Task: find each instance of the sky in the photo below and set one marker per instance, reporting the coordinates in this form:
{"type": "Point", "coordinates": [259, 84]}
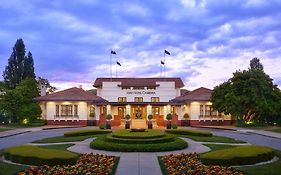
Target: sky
{"type": "Point", "coordinates": [208, 39]}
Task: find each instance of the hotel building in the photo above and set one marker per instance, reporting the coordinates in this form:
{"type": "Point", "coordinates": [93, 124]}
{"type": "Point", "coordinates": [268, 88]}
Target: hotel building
{"type": "Point", "coordinates": [137, 97]}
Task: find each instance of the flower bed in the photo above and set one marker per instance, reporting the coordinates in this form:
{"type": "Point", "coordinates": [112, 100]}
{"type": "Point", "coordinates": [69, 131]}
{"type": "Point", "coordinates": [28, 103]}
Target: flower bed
{"type": "Point", "coordinates": [243, 155]}
{"type": "Point", "coordinates": [33, 155]}
{"type": "Point", "coordinates": [86, 164]}
{"type": "Point", "coordinates": [189, 132]}
{"type": "Point", "coordinates": [86, 132]}
{"type": "Point", "coordinates": [191, 164]}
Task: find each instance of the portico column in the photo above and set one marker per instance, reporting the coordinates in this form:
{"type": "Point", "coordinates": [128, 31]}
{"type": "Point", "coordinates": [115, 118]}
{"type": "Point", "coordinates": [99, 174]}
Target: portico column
{"type": "Point", "coordinates": [97, 112]}
{"type": "Point", "coordinates": [108, 109]}
{"type": "Point", "coordinates": [165, 112]}
{"type": "Point", "coordinates": [149, 109]}
{"type": "Point", "coordinates": [128, 110]}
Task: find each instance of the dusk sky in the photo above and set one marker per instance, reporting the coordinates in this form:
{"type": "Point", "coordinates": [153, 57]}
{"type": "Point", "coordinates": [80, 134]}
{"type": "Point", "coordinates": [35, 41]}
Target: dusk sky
{"type": "Point", "coordinates": [208, 39]}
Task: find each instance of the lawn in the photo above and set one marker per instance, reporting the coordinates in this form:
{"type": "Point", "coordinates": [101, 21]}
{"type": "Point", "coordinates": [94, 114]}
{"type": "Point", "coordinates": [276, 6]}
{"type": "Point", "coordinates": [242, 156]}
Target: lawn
{"type": "Point", "coordinates": [63, 139]}
{"type": "Point", "coordinates": [57, 147]}
{"type": "Point", "coordinates": [215, 147]}
{"type": "Point", "coordinates": [4, 129]}
{"type": "Point", "coordinates": [218, 139]}
{"type": "Point", "coordinates": [276, 130]}
{"type": "Point", "coordinates": [8, 169]}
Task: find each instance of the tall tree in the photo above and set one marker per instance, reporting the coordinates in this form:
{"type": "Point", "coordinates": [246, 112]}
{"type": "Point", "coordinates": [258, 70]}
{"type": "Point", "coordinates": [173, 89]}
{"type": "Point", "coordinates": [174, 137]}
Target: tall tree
{"type": "Point", "coordinates": [256, 64]}
{"type": "Point", "coordinates": [45, 82]}
{"type": "Point", "coordinates": [28, 70]}
{"type": "Point", "coordinates": [19, 66]}
{"type": "Point", "coordinates": [249, 94]}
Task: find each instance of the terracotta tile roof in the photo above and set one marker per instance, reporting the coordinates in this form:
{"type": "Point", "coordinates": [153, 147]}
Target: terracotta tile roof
{"type": "Point", "coordinates": [200, 94]}
{"type": "Point", "coordinates": [72, 94]}
{"type": "Point", "coordinates": [139, 82]}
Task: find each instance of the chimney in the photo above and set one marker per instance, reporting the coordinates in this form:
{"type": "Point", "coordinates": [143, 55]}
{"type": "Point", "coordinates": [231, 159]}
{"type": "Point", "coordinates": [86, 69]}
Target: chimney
{"type": "Point", "coordinates": [43, 89]}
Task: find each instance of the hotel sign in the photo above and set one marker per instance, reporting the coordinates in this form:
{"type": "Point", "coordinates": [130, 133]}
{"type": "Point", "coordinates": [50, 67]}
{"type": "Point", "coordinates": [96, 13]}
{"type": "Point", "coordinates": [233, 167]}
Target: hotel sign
{"type": "Point", "coordinates": [141, 92]}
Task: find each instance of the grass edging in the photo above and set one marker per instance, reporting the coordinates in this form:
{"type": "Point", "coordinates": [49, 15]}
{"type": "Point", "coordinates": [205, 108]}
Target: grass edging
{"type": "Point", "coordinates": [86, 132]}
{"type": "Point", "coordinates": [162, 166]}
{"type": "Point", "coordinates": [189, 132]}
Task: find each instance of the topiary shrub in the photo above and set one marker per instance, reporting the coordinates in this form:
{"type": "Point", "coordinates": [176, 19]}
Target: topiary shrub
{"type": "Point", "coordinates": [108, 117]}
{"type": "Point", "coordinates": [149, 117]}
{"type": "Point", "coordinates": [244, 155]}
{"type": "Point", "coordinates": [102, 126]}
{"type": "Point", "coordinates": [86, 132]}
{"type": "Point", "coordinates": [174, 126]}
{"type": "Point", "coordinates": [189, 132]}
{"type": "Point", "coordinates": [186, 116]}
{"type": "Point", "coordinates": [127, 117]}
{"type": "Point", "coordinates": [33, 155]}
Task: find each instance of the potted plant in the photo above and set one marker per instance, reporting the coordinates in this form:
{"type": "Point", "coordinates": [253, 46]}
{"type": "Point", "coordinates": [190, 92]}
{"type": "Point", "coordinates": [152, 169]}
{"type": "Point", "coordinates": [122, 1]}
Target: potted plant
{"type": "Point", "coordinates": [186, 117]}
{"type": "Point", "coordinates": [108, 118]}
{"type": "Point", "coordinates": [127, 125]}
{"type": "Point", "coordinates": [149, 121]}
{"type": "Point", "coordinates": [169, 118]}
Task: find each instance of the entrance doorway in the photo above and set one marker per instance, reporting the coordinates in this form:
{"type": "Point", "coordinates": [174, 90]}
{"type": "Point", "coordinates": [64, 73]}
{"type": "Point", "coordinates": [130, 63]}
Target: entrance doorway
{"type": "Point", "coordinates": [122, 112]}
{"type": "Point", "coordinates": [138, 112]}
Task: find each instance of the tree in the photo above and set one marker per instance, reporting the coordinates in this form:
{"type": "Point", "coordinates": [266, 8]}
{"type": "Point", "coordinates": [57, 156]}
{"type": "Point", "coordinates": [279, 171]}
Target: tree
{"type": "Point", "coordinates": [249, 94]}
{"type": "Point", "coordinates": [19, 66]}
{"type": "Point", "coordinates": [255, 64]}
{"type": "Point", "coordinates": [18, 103]}
{"type": "Point", "coordinates": [45, 82]}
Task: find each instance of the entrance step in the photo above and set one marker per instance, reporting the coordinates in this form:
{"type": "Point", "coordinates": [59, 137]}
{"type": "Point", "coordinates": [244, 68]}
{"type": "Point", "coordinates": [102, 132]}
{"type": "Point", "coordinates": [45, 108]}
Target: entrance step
{"type": "Point", "coordinates": [139, 123]}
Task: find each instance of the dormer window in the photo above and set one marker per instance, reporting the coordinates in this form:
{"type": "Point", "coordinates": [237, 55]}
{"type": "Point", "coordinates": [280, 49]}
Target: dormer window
{"type": "Point", "coordinates": [138, 88]}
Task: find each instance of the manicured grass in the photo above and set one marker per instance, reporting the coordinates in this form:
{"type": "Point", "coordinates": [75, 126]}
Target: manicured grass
{"type": "Point", "coordinates": [218, 139]}
{"type": "Point", "coordinates": [243, 155]}
{"type": "Point", "coordinates": [86, 132]}
{"type": "Point", "coordinates": [126, 133]}
{"type": "Point", "coordinates": [34, 155]}
{"type": "Point", "coordinates": [9, 169]}
{"type": "Point", "coordinates": [215, 147]}
{"type": "Point", "coordinates": [189, 132]}
{"type": "Point", "coordinates": [63, 139]}
{"type": "Point", "coordinates": [137, 140]}
{"type": "Point", "coordinates": [5, 129]}
{"type": "Point", "coordinates": [269, 169]}
{"type": "Point", "coordinates": [278, 130]}
{"type": "Point", "coordinates": [102, 144]}
{"type": "Point", "coordinates": [57, 147]}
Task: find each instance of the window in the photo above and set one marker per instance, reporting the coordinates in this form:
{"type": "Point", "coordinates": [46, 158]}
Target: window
{"type": "Point", "coordinates": [122, 112]}
{"type": "Point", "coordinates": [173, 110]}
{"type": "Point", "coordinates": [76, 110]}
{"type": "Point", "coordinates": [122, 99]}
{"type": "Point", "coordinates": [208, 110]}
{"type": "Point", "coordinates": [138, 99]}
{"type": "Point", "coordinates": [66, 110]}
{"type": "Point", "coordinates": [151, 88]}
{"type": "Point", "coordinates": [213, 112]}
{"type": "Point", "coordinates": [126, 88]}
{"type": "Point", "coordinates": [138, 88]}
{"type": "Point", "coordinates": [57, 110]}
{"type": "Point", "coordinates": [201, 110]}
{"type": "Point", "coordinates": [155, 99]}
{"type": "Point", "coordinates": [155, 111]}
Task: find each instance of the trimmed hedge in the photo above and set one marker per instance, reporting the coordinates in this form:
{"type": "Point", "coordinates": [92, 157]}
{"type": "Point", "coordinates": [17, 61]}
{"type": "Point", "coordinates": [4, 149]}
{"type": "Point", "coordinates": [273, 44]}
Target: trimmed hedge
{"type": "Point", "coordinates": [86, 132]}
{"type": "Point", "coordinates": [102, 144]}
{"type": "Point", "coordinates": [33, 155]}
{"type": "Point", "coordinates": [189, 132]}
{"type": "Point", "coordinates": [148, 134]}
{"type": "Point", "coordinates": [244, 155]}
{"type": "Point", "coordinates": [166, 138]}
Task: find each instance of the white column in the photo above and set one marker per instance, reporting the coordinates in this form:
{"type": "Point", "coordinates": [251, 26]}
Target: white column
{"type": "Point", "coordinates": [149, 109]}
{"type": "Point", "coordinates": [97, 111]}
{"type": "Point", "coordinates": [108, 109]}
{"type": "Point", "coordinates": [165, 112]}
{"type": "Point", "coordinates": [128, 110]}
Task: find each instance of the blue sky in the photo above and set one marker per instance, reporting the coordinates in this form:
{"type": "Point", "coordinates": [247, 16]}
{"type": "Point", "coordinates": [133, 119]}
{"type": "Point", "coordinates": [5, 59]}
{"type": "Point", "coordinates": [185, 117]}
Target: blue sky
{"type": "Point", "coordinates": [208, 39]}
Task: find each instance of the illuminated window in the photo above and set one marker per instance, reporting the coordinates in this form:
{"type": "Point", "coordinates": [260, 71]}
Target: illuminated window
{"type": "Point", "coordinates": [208, 110]}
{"type": "Point", "coordinates": [138, 88]}
{"type": "Point", "coordinates": [76, 110]}
{"type": "Point", "coordinates": [201, 110]}
{"type": "Point", "coordinates": [155, 99]}
{"type": "Point", "coordinates": [126, 88]}
{"type": "Point", "coordinates": [66, 110]}
{"type": "Point", "coordinates": [122, 99]}
{"type": "Point", "coordinates": [138, 99]}
{"type": "Point", "coordinates": [155, 111]}
{"type": "Point", "coordinates": [151, 88]}
{"type": "Point", "coordinates": [173, 110]}
{"type": "Point", "coordinates": [57, 110]}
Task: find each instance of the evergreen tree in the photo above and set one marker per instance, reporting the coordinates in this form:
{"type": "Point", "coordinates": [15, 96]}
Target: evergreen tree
{"type": "Point", "coordinates": [19, 66]}
{"type": "Point", "coordinates": [255, 64]}
{"type": "Point", "coordinates": [28, 70]}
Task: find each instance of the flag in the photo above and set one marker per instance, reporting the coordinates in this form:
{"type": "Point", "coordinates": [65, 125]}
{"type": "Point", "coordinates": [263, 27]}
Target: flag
{"type": "Point", "coordinates": [118, 63]}
{"type": "Point", "coordinates": [113, 52]}
{"type": "Point", "coordinates": [162, 62]}
{"type": "Point", "coordinates": [168, 53]}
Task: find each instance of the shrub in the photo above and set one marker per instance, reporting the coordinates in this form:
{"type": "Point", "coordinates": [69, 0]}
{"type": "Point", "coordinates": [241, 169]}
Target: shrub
{"type": "Point", "coordinates": [127, 117]}
{"type": "Point", "coordinates": [163, 139]}
{"type": "Point", "coordinates": [102, 144]}
{"type": "Point", "coordinates": [86, 164]}
{"type": "Point", "coordinates": [189, 132]}
{"type": "Point", "coordinates": [149, 117]}
{"type": "Point", "coordinates": [138, 135]}
{"type": "Point", "coordinates": [243, 155]}
{"type": "Point", "coordinates": [174, 126]}
{"type": "Point", "coordinates": [33, 155]}
{"type": "Point", "coordinates": [186, 116]}
{"type": "Point", "coordinates": [92, 114]}
{"type": "Point", "coordinates": [108, 117]}
{"type": "Point", "coordinates": [86, 132]}
{"type": "Point", "coordinates": [102, 126]}
{"type": "Point", "coordinates": [169, 117]}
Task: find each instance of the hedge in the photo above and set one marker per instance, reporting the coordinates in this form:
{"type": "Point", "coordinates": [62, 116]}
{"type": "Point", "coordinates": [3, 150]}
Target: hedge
{"type": "Point", "coordinates": [166, 138]}
{"type": "Point", "coordinates": [86, 132]}
{"type": "Point", "coordinates": [189, 132]}
{"type": "Point", "coordinates": [33, 155]}
{"type": "Point", "coordinates": [244, 155]}
{"type": "Point", "coordinates": [102, 144]}
{"type": "Point", "coordinates": [127, 134]}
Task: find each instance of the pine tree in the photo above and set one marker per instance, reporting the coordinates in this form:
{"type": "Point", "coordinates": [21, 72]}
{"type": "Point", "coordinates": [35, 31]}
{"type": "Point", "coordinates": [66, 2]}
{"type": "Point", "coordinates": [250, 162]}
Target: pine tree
{"type": "Point", "coordinates": [28, 70]}
{"type": "Point", "coordinates": [19, 66]}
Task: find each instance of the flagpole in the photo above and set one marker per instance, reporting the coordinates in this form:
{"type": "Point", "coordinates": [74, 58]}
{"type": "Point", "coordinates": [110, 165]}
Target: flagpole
{"type": "Point", "coordinates": [116, 67]}
{"type": "Point", "coordinates": [111, 65]}
{"type": "Point", "coordinates": [164, 64]}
